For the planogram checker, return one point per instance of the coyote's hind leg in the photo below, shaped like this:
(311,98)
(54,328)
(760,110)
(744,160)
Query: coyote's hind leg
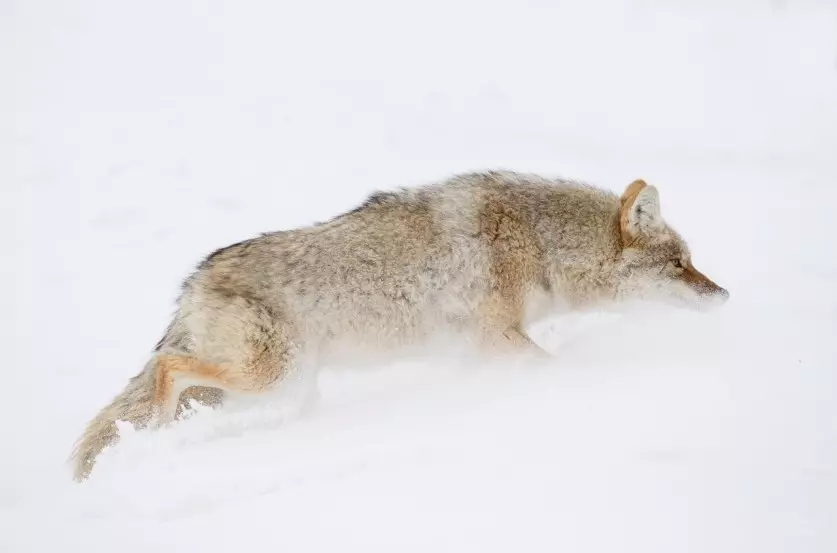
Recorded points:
(238,349)
(203,395)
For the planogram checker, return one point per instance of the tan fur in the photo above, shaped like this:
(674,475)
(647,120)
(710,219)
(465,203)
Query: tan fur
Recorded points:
(627,201)
(632,190)
(515,268)
(474,259)
(695,279)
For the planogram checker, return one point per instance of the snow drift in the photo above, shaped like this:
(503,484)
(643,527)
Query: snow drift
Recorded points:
(143,136)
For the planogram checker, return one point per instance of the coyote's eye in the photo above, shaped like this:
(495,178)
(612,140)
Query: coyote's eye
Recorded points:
(677,264)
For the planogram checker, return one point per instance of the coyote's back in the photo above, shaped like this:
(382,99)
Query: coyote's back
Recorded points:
(471,259)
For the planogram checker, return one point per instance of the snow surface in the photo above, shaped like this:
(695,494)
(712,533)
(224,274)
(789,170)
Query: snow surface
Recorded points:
(136,137)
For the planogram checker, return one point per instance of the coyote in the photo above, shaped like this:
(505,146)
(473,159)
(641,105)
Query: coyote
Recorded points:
(476,257)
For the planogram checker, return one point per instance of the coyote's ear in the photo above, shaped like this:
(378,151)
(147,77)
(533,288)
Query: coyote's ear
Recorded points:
(640,211)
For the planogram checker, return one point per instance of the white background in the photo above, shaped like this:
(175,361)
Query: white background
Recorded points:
(136,137)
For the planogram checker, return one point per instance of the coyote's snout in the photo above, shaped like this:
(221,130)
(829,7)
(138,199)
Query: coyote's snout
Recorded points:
(476,257)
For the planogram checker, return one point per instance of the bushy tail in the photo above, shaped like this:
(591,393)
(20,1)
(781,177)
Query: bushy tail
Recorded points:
(134,404)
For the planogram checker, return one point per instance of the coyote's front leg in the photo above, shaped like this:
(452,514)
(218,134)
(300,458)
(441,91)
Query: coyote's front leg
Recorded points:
(511,340)
(515,341)
(501,327)
(521,342)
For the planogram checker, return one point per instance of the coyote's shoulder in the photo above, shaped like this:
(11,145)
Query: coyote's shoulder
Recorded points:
(472,259)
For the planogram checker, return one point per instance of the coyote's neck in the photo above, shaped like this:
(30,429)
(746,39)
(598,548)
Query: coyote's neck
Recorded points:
(586,267)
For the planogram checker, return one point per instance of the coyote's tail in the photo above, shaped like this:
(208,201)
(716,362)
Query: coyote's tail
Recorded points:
(134,404)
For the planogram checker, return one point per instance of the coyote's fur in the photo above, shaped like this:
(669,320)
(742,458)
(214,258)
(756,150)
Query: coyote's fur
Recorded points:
(477,257)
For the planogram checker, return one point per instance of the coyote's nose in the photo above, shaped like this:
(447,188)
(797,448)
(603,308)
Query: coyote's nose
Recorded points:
(716,298)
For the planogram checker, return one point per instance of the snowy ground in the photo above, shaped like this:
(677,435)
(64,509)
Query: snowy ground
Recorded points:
(139,136)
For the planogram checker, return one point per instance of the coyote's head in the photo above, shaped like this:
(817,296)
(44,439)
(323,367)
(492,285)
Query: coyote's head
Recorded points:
(655,261)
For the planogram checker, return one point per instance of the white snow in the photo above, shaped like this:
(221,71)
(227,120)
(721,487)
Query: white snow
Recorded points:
(136,137)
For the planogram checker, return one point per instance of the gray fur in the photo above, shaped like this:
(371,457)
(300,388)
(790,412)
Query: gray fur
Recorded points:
(476,257)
